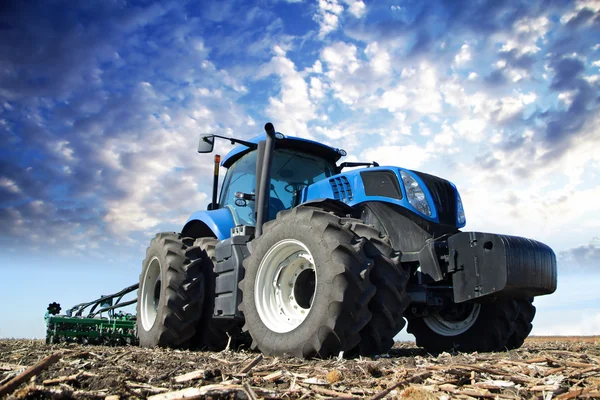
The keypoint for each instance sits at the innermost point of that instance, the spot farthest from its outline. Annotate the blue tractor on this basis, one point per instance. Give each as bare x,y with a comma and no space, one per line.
312,259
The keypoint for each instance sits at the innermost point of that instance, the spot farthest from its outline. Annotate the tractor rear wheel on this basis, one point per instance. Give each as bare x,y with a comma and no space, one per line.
306,287
171,292
211,334
466,327
523,324
391,298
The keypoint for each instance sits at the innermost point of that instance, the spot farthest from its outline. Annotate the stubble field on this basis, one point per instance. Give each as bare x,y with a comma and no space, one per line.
545,367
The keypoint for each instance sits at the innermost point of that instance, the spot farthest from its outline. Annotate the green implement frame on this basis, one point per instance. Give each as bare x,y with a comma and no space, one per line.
115,328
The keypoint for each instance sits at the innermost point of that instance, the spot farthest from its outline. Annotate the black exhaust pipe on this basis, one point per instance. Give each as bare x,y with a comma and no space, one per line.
263,178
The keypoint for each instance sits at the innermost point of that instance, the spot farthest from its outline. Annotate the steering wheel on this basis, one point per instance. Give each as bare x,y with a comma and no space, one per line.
295,187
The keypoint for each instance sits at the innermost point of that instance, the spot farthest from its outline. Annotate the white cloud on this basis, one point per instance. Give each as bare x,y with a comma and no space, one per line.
348,95
508,107
551,198
330,13
424,130
419,93
592,5
463,56
154,191
340,57
63,150
331,6
342,72
395,99
279,50
292,110
379,59
409,156
426,97
526,35
356,7
317,68
331,133
567,97
408,72
445,137
327,16
9,185
471,129
316,88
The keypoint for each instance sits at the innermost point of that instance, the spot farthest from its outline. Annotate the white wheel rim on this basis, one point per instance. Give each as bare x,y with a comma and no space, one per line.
285,286
445,326
150,289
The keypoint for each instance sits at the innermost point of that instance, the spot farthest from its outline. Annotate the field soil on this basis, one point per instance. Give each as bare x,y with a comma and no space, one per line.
544,368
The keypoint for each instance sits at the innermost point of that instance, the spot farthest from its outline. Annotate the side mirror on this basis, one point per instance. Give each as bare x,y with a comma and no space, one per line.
206,143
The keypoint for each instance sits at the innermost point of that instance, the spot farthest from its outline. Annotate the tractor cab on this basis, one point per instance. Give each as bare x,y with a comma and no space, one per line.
291,172
294,164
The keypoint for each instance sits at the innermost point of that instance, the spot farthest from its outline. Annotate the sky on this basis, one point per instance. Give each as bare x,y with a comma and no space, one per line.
102,103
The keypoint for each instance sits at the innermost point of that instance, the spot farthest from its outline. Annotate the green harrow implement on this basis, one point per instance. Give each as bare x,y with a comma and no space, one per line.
112,329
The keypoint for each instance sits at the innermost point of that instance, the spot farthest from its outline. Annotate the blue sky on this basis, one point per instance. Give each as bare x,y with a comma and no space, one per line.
102,102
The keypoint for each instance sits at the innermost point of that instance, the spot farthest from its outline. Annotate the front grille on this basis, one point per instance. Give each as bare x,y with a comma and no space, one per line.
444,197
382,183
341,188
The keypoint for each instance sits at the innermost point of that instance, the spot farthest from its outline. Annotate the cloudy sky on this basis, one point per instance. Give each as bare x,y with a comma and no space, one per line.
102,102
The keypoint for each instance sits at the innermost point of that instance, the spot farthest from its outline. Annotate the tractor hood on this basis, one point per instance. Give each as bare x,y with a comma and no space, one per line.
288,142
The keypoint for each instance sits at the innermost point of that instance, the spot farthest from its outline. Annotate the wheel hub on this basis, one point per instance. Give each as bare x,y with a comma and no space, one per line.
150,294
285,286
455,321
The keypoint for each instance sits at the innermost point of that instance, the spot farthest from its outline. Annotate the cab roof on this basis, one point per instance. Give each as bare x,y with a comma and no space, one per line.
288,142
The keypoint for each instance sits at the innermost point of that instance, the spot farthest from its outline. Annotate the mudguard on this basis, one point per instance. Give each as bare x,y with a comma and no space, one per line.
217,223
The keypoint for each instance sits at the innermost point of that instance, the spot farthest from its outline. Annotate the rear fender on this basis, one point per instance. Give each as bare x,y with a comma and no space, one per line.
216,223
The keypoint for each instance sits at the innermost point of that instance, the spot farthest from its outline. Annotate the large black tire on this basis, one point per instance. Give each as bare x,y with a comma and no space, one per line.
489,330
171,292
391,299
210,333
339,290
523,324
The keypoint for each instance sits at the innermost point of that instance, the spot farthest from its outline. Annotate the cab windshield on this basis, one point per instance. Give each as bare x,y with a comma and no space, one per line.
291,172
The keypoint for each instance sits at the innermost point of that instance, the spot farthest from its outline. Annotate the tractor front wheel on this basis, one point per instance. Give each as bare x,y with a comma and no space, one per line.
171,292
466,327
306,287
523,323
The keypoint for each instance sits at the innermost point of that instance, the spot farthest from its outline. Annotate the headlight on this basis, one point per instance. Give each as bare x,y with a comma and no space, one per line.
415,195
460,211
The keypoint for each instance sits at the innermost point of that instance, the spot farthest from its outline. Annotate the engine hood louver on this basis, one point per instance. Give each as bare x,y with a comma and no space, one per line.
341,188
